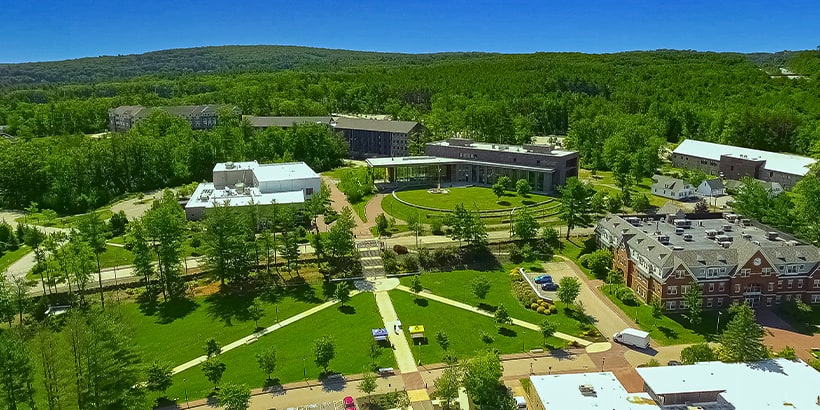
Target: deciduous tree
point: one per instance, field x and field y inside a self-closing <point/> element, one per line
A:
<point x="575" y="209"/>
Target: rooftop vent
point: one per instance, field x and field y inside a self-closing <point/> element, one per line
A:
<point x="772" y="236"/>
<point x="230" y="165"/>
<point x="587" y="390"/>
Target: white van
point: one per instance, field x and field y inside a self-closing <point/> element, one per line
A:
<point x="632" y="337"/>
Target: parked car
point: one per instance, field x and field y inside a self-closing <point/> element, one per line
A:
<point x="349" y="404"/>
<point x="673" y="363"/>
<point x="549" y="286"/>
<point x="543" y="279"/>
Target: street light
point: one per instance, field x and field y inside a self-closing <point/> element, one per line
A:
<point x="185" y="384"/>
<point x="304" y="369"/>
<point x="717" y="327"/>
<point x="603" y="363"/>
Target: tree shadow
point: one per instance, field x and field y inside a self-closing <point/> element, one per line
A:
<point x="332" y="382"/>
<point x="488" y="308"/>
<point x="527" y="201"/>
<point x="174" y="309"/>
<point x="229" y="304"/>
<point x="507" y="332"/>
<point x="504" y="203"/>
<point x="347" y="309"/>
<point x="669" y="333"/>
<point x="421" y="302"/>
<point x="273" y="386"/>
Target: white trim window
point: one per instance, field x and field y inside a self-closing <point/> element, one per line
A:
<point x="815" y="298"/>
<point x="671" y="305"/>
<point x="672" y="290"/>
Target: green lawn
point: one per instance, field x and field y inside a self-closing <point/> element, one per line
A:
<point x="670" y="329"/>
<point x="350" y="328"/>
<point x="10" y="257"/>
<point x="456" y="285"/>
<point x="472" y="197"/>
<point x="177" y="331"/>
<point x="116" y="256"/>
<point x="360" y="206"/>
<point x="463" y="329"/>
<point x="545" y="213"/>
<point x="577" y="247"/>
<point x="68" y="221"/>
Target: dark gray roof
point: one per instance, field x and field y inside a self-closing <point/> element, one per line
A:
<point x="716" y="183"/>
<point x="669" y="208"/>
<point x="364" y="124"/>
<point x="182" y="110"/>
<point x="673" y="184"/>
<point x="284" y="122"/>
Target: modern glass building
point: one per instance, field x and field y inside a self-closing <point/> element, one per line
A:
<point x="461" y="161"/>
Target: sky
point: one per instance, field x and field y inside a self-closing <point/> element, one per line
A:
<point x="49" y="30"/>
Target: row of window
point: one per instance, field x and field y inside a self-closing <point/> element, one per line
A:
<point x="673" y="290"/>
<point x="683" y="304"/>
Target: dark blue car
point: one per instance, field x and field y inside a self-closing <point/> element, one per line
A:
<point x="550" y="286"/>
<point x="543" y="279"/>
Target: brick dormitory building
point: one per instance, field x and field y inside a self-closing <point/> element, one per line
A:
<point x="731" y="259"/>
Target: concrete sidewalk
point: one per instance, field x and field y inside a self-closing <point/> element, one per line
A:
<point x="252" y="338"/>
<point x="517" y="322"/>
<point x="402" y="351"/>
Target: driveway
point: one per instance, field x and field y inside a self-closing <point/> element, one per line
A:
<point x="605" y="318"/>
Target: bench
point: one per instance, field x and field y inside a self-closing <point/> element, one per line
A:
<point x="386" y="370"/>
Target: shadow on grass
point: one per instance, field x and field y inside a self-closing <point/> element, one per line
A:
<point x="332" y="382"/>
<point x="230" y="304"/>
<point x="348" y="310"/>
<point x="504" y="203"/>
<point x="421" y="302"/>
<point x="273" y="386"/>
<point x="507" y="332"/>
<point x="668" y="333"/>
<point x="488" y="308"/>
<point x="172" y="310"/>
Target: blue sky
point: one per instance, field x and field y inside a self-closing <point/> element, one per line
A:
<point x="62" y="29"/>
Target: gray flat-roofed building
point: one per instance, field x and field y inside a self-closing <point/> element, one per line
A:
<point x="737" y="162"/>
<point x="201" y="117"/>
<point x="462" y="161"/>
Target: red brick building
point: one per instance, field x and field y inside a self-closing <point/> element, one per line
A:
<point x="661" y="256"/>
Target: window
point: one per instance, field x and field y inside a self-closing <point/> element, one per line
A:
<point x="683" y="304"/>
<point x="780" y="284"/>
<point x="767" y="271"/>
<point x="771" y="286"/>
<point x="720" y="301"/>
<point x="721" y="288"/>
<point x="791" y="281"/>
<point x="777" y="299"/>
<point x="671" y="305"/>
<point x="800" y="284"/>
<point x="679" y="274"/>
<point x="308" y="191"/>
<point x="672" y="290"/>
<point x="788" y="298"/>
<point x="711" y="287"/>
<point x="709" y="302"/>
<point x="684" y="289"/>
<point x="737" y="288"/>
<point x="817" y="283"/>
<point x="815" y="298"/>
<point x="792" y="269"/>
<point x="768" y="301"/>
<point x="745" y="273"/>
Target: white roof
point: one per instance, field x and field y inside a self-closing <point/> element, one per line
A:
<point x="760" y="385"/>
<point x="635" y="332"/>
<point x="222" y="166"/>
<point x="775" y="161"/>
<point x="283" y="172"/>
<point x="220" y="196"/>
<point x="562" y="391"/>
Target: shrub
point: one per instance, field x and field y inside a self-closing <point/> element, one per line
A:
<point x="534" y="306"/>
<point x="436" y="226"/>
<point x="486" y="337"/>
<point x="541" y="309"/>
<point x="399" y="249"/>
<point x="553" y="309"/>
<point x="627" y="297"/>
<point x="516" y="255"/>
<point x="409" y="262"/>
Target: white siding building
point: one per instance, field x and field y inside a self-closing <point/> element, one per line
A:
<point x="247" y="183"/>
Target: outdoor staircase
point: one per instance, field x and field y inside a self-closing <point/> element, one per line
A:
<point x="370" y="257"/>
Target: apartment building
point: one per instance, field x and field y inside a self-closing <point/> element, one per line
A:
<point x="731" y="260"/>
<point x="736" y="162"/>
<point x="201" y="117"/>
<point x="365" y="137"/>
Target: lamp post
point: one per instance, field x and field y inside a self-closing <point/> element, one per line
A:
<point x="603" y="363"/>
<point x="277" y="313"/>
<point x="185" y="386"/>
<point x="304" y="369"/>
<point x="717" y="327"/>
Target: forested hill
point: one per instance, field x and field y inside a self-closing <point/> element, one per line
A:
<point x="221" y="59"/>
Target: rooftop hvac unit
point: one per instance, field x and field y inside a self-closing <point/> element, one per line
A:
<point x="587" y="390"/>
<point x="230" y="165"/>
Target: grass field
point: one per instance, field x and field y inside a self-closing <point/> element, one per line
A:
<point x="545" y="213"/>
<point x="62" y="221"/>
<point x="10" y="257"/>
<point x="471" y="197"/>
<point x="463" y="330"/>
<point x="456" y="285"/>
<point x="176" y="332"/>
<point x="349" y="327"/>
<point x="670" y="329"/>
<point x="360" y="206"/>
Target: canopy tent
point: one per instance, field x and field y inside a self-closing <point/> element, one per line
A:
<point x="416" y="331"/>
<point x="379" y="335"/>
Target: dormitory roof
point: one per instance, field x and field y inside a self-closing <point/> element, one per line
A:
<point x="775" y="161"/>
